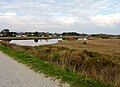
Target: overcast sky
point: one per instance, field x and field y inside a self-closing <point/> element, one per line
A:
<point x="83" y="16"/>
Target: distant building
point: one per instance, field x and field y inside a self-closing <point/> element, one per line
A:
<point x="23" y="35"/>
<point x="18" y="36"/>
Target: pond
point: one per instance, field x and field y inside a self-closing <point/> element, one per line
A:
<point x="34" y="42"/>
<point x="37" y="42"/>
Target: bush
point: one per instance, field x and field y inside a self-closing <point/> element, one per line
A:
<point x="91" y="54"/>
<point x="84" y="42"/>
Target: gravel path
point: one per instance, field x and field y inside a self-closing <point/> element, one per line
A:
<point x="14" y="74"/>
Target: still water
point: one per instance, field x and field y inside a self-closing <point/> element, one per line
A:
<point x="38" y="42"/>
<point x="34" y="43"/>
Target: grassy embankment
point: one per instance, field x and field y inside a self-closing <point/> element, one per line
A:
<point x="80" y="68"/>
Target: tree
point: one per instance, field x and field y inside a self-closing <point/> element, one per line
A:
<point x="46" y="35"/>
<point x="5" y="32"/>
<point x="70" y="34"/>
<point x="36" y="34"/>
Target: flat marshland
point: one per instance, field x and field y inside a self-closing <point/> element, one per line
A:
<point x="98" y="61"/>
<point x="109" y="47"/>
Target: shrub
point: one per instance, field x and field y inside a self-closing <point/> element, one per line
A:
<point x="91" y="53"/>
<point x="84" y="42"/>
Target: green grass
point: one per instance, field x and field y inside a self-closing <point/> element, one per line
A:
<point x="41" y="66"/>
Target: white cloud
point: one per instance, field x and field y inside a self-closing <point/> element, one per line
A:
<point x="106" y="20"/>
<point x="65" y="20"/>
<point x="12" y="19"/>
<point x="9" y="18"/>
<point x="9" y="14"/>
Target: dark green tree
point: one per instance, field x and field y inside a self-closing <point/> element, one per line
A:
<point x="36" y="34"/>
<point x="6" y="33"/>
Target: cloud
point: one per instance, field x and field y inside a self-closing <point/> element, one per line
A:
<point x="26" y="22"/>
<point x="106" y="20"/>
<point x="12" y="18"/>
<point x="65" y="20"/>
<point x="9" y="18"/>
<point x="59" y="14"/>
<point x="8" y="14"/>
<point x="30" y="23"/>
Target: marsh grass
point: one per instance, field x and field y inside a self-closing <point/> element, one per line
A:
<point x="85" y="62"/>
<point x="38" y="65"/>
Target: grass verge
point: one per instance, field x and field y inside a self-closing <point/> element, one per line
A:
<point x="38" y="65"/>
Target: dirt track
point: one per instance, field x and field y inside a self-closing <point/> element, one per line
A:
<point x="14" y="74"/>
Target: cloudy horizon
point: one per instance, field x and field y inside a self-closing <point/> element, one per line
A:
<point x="83" y="16"/>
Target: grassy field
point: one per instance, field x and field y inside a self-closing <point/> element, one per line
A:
<point x="109" y="47"/>
<point x="91" y="63"/>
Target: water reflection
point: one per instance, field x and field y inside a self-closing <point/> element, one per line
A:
<point x="34" y="42"/>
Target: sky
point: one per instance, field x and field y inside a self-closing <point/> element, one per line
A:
<point x="83" y="16"/>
